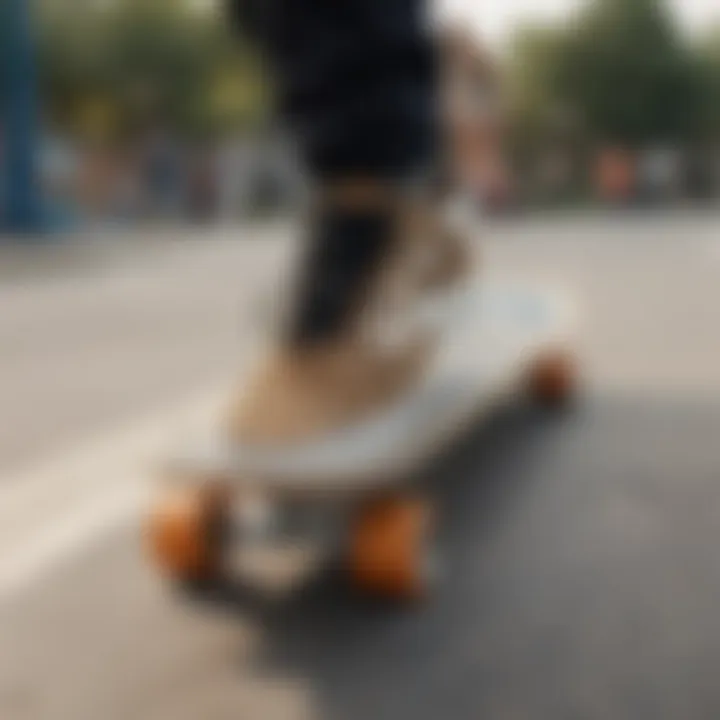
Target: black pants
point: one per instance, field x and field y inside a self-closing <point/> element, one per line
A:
<point x="357" y="82"/>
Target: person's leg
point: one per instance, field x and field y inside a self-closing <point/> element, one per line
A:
<point x="356" y="80"/>
<point x="358" y="87"/>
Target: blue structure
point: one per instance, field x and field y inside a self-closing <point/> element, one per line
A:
<point x="21" y="204"/>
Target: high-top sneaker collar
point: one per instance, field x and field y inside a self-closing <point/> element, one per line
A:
<point x="376" y="256"/>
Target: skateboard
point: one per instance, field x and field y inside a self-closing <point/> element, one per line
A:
<point x="356" y="491"/>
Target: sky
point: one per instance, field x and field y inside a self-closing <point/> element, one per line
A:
<point x="493" y="19"/>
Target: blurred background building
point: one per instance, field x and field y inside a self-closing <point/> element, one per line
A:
<point x="157" y="112"/>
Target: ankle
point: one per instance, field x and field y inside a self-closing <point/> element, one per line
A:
<point x="353" y="231"/>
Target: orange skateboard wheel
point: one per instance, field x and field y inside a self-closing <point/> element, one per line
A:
<point x="390" y="549"/>
<point x="553" y="378"/>
<point x="184" y="533"/>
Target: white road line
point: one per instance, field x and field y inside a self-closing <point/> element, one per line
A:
<point x="41" y="551"/>
<point x="53" y="509"/>
<point x="50" y="511"/>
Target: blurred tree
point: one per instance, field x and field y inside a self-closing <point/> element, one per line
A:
<point x="121" y="65"/>
<point x="532" y="71"/>
<point x="630" y="75"/>
<point x="705" y="155"/>
<point x="545" y="137"/>
<point x="708" y="53"/>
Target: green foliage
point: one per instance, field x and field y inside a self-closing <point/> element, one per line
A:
<point x="622" y="71"/>
<point x="708" y="60"/>
<point x="532" y="83"/>
<point x="629" y="74"/>
<point x="146" y="62"/>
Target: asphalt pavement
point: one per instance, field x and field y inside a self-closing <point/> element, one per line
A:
<point x="581" y="575"/>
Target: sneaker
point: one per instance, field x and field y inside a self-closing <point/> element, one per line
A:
<point x="354" y="345"/>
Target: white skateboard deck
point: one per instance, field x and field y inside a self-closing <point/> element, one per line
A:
<point x="493" y="333"/>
